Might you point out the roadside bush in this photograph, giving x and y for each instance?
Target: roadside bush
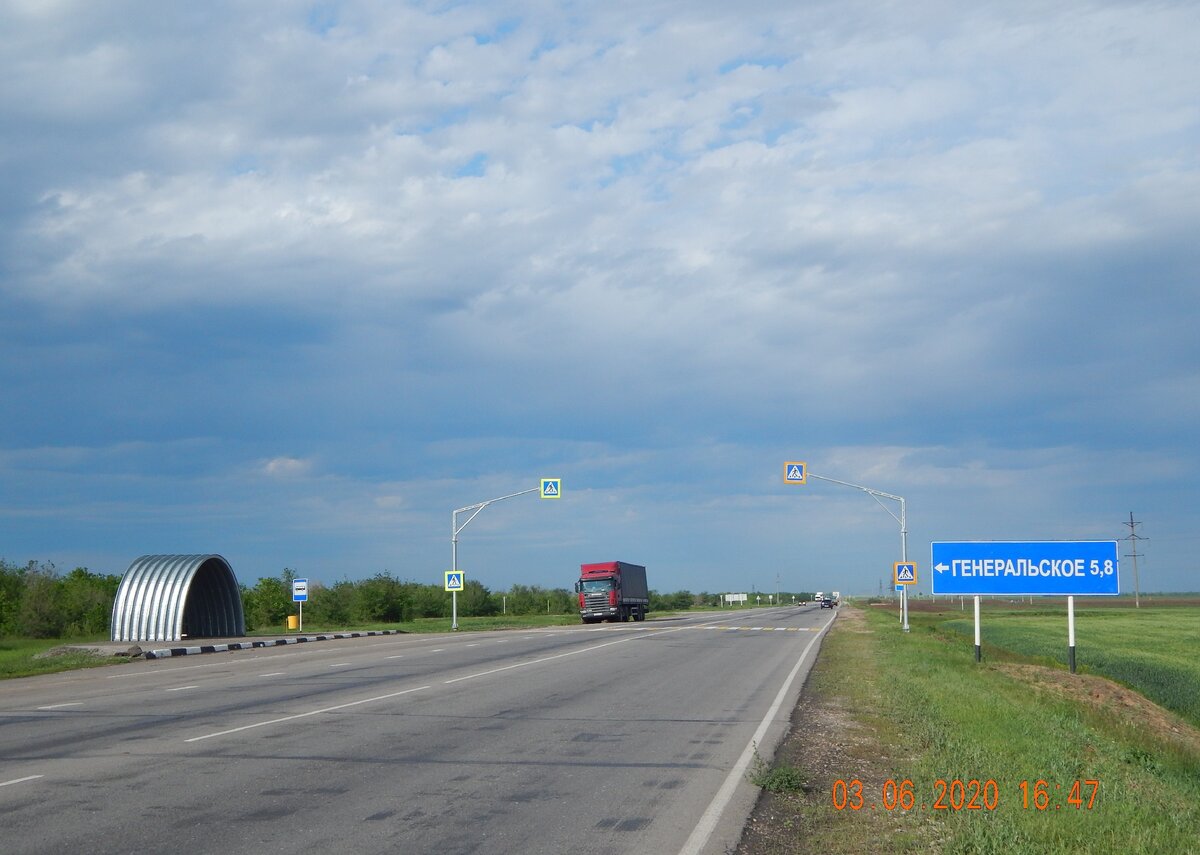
(269, 602)
(382, 599)
(41, 614)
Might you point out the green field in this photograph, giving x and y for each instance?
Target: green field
(1155, 651)
(916, 707)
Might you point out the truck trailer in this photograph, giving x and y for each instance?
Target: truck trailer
(613, 591)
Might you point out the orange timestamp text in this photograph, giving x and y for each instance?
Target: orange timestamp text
(954, 794)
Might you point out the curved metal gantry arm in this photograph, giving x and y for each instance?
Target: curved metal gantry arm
(902, 519)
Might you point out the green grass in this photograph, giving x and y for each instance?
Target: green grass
(929, 712)
(1151, 650)
(20, 657)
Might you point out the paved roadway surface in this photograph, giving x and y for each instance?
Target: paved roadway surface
(616, 738)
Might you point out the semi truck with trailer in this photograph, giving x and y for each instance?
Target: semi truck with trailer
(613, 591)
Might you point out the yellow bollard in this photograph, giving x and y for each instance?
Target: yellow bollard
(293, 622)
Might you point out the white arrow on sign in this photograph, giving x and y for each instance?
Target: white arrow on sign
(941, 568)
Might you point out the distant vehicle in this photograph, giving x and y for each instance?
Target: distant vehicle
(828, 602)
(613, 591)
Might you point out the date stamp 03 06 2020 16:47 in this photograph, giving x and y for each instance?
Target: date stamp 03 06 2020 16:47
(973, 794)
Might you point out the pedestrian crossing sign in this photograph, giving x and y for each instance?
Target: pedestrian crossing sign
(906, 572)
(795, 472)
(454, 580)
(552, 488)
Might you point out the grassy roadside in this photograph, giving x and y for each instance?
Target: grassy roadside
(30, 657)
(883, 706)
(23, 657)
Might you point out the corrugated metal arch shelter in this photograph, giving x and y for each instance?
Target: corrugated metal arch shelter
(168, 597)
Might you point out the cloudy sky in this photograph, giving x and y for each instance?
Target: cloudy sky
(290, 282)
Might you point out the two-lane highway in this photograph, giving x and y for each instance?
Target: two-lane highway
(614, 738)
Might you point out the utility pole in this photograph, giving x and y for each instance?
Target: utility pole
(1133, 538)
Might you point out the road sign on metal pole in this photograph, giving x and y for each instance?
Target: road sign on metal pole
(300, 595)
(549, 488)
(800, 475)
(1039, 568)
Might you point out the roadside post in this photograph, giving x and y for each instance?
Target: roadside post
(548, 488)
(300, 596)
(1050, 568)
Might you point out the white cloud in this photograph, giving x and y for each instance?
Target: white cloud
(629, 233)
(286, 467)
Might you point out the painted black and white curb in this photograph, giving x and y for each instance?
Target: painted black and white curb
(167, 652)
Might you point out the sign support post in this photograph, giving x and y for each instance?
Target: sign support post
(1071, 633)
(299, 596)
(978, 655)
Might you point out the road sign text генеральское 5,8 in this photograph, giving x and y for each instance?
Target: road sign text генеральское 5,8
(1026, 568)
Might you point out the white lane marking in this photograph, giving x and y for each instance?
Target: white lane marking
(60, 706)
(21, 780)
(472, 645)
(708, 821)
(437, 650)
(167, 670)
(273, 674)
(182, 688)
(397, 656)
(555, 656)
(339, 664)
(305, 714)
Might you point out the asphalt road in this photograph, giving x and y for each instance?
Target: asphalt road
(617, 738)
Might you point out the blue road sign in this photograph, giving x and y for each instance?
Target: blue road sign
(454, 580)
(552, 488)
(299, 590)
(1026, 568)
(795, 472)
(905, 572)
